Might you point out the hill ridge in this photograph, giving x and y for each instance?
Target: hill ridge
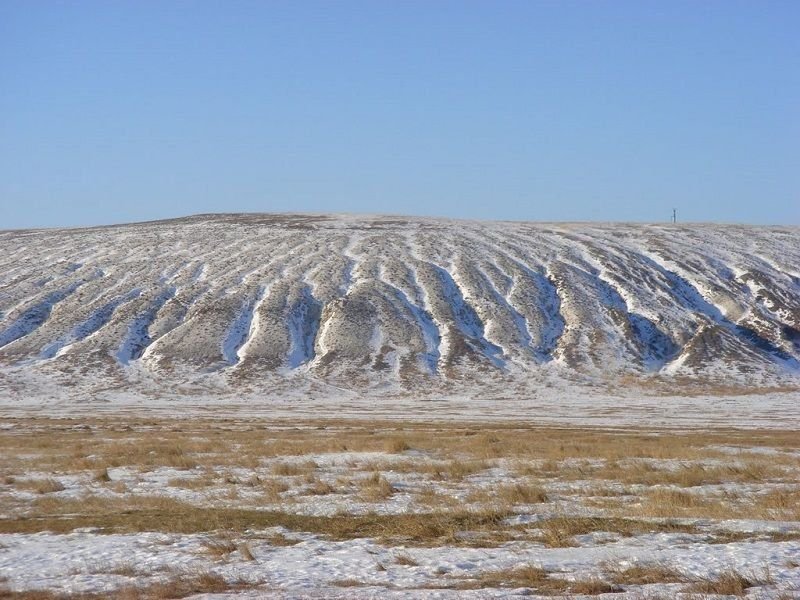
(409, 303)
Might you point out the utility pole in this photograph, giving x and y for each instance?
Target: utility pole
(674, 216)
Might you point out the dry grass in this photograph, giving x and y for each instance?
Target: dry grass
(776, 504)
(556, 535)
(198, 583)
(293, 469)
(245, 551)
(280, 540)
(157, 513)
(40, 486)
(146, 443)
(509, 495)
(272, 490)
(376, 488)
(193, 483)
(665, 502)
(559, 532)
(691, 475)
(429, 497)
(781, 504)
(645, 574)
(651, 472)
(150, 453)
(614, 463)
(522, 493)
(405, 560)
(525, 576)
(220, 546)
(181, 584)
(728, 583)
(592, 587)
(347, 583)
(606, 491)
(317, 487)
(531, 576)
(126, 569)
(239, 467)
(457, 470)
(394, 445)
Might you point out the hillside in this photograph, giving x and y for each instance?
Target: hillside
(265, 303)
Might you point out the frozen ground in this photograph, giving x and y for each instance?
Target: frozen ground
(280, 307)
(81, 562)
(560, 403)
(322, 509)
(327, 406)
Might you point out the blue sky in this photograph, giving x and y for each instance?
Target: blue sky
(120, 111)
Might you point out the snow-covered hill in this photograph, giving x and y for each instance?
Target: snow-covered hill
(265, 303)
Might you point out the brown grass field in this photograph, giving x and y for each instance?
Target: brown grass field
(402, 484)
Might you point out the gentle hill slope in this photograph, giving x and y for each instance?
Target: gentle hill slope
(399, 303)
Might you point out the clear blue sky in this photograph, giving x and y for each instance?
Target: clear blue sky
(592, 110)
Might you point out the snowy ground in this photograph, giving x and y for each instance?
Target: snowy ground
(555, 400)
(261, 306)
(79, 562)
(257, 508)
